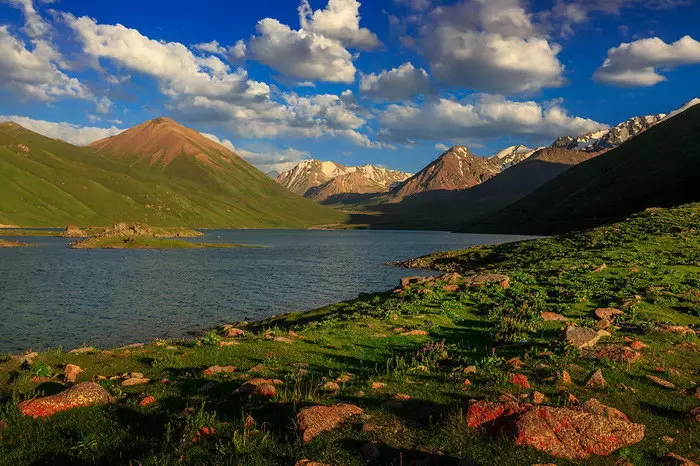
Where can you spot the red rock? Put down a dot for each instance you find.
(574, 434)
(133, 381)
(519, 380)
(148, 401)
(306, 462)
(452, 278)
(572, 399)
(600, 269)
(227, 343)
(378, 385)
(203, 432)
(42, 379)
(318, 419)
(515, 363)
(214, 370)
(596, 407)
(79, 396)
(552, 316)
(483, 412)
(408, 281)
(596, 380)
(470, 370)
(638, 345)
(233, 332)
(678, 329)
(564, 378)
(467, 382)
(411, 333)
(260, 387)
(604, 324)
(695, 412)
(451, 288)
(71, 372)
(607, 313)
(344, 378)
(402, 397)
(616, 353)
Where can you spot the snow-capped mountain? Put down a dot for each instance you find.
(456, 168)
(609, 138)
(512, 155)
(309, 175)
(686, 106)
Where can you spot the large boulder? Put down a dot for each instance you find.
(318, 419)
(616, 353)
(484, 412)
(81, 395)
(574, 434)
(264, 388)
(73, 231)
(488, 279)
(583, 337)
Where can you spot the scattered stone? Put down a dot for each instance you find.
(677, 329)
(135, 381)
(378, 385)
(72, 231)
(451, 278)
(661, 382)
(574, 434)
(672, 459)
(668, 440)
(596, 380)
(519, 380)
(616, 353)
(286, 340)
(71, 372)
(411, 333)
(214, 370)
(318, 419)
(344, 378)
(294, 334)
(451, 288)
(402, 397)
(408, 281)
(79, 396)
(224, 344)
(260, 387)
(233, 332)
(564, 378)
(515, 363)
(470, 370)
(507, 398)
(638, 345)
(257, 369)
(148, 401)
(695, 412)
(488, 279)
(467, 382)
(84, 350)
(603, 324)
(552, 316)
(583, 337)
(306, 462)
(694, 392)
(424, 291)
(600, 269)
(607, 313)
(538, 398)
(330, 387)
(572, 399)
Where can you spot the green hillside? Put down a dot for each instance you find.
(46, 182)
(659, 168)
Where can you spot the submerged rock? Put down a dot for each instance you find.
(79, 396)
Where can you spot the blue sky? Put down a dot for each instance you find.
(389, 82)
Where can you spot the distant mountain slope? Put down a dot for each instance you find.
(322, 180)
(512, 155)
(610, 138)
(173, 176)
(448, 210)
(658, 168)
(456, 168)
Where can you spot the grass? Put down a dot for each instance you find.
(50, 183)
(654, 256)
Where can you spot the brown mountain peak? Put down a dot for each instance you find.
(163, 140)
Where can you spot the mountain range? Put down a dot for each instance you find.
(158, 172)
(330, 181)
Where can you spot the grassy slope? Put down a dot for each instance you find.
(660, 167)
(657, 249)
(56, 183)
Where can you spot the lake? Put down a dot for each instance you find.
(54, 296)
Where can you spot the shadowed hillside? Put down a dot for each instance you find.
(658, 168)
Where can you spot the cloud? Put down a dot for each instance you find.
(415, 5)
(400, 83)
(34, 25)
(267, 157)
(636, 63)
(178, 71)
(490, 46)
(301, 54)
(340, 20)
(34, 73)
(481, 118)
(211, 47)
(74, 134)
(442, 147)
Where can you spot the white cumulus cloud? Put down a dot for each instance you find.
(340, 20)
(482, 118)
(636, 63)
(400, 83)
(267, 158)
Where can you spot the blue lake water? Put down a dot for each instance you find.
(51, 295)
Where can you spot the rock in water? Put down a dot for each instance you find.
(573, 434)
(79, 396)
(318, 419)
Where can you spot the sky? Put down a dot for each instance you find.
(388, 82)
